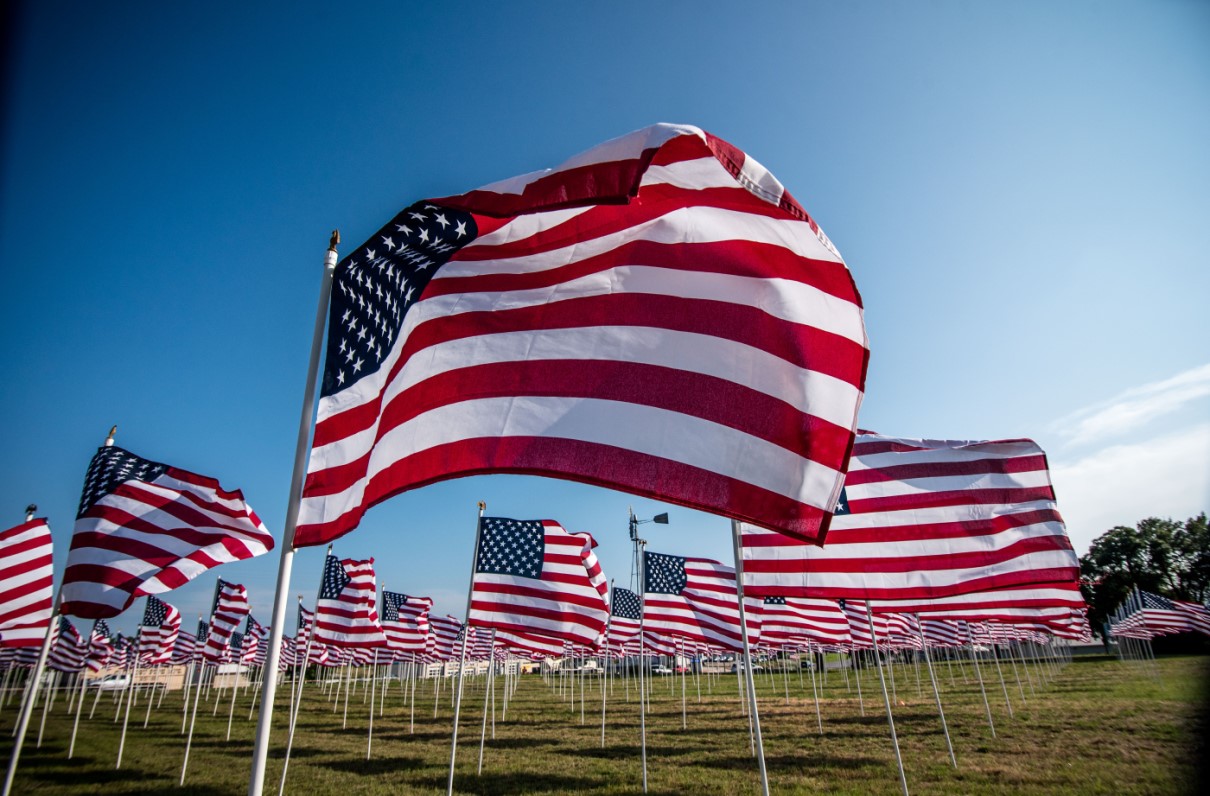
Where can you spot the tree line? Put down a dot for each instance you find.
(1161, 556)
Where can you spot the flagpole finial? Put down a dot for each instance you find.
(30, 511)
(482, 505)
(334, 241)
(109, 439)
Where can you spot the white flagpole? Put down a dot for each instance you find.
(640, 547)
(264, 725)
(466, 632)
(979, 674)
(75, 727)
(887, 698)
(936, 692)
(130, 686)
(297, 700)
(197, 697)
(743, 631)
(487, 692)
(373, 683)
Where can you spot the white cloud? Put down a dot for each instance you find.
(1135, 407)
(1167, 476)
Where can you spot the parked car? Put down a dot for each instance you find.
(110, 682)
(660, 670)
(739, 667)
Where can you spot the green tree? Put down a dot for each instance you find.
(1160, 556)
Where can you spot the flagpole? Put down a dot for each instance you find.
(138, 640)
(487, 691)
(640, 552)
(264, 725)
(743, 631)
(887, 698)
(31, 694)
(466, 632)
(924, 644)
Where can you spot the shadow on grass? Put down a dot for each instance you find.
(516, 783)
(795, 763)
(380, 765)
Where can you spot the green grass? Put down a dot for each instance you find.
(1096, 726)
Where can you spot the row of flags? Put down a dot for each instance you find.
(1145, 615)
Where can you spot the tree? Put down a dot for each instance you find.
(1160, 556)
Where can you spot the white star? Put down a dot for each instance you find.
(390, 244)
(440, 219)
(424, 235)
(417, 216)
(460, 228)
(370, 255)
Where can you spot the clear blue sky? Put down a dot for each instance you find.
(1020, 189)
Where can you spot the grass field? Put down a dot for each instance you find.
(1095, 726)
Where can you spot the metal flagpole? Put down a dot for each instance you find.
(936, 692)
(297, 704)
(31, 694)
(466, 625)
(260, 750)
(979, 674)
(197, 697)
(373, 682)
(640, 553)
(75, 727)
(487, 692)
(605, 660)
(886, 698)
(130, 686)
(743, 631)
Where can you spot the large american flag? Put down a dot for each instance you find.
(696, 599)
(345, 614)
(158, 632)
(533, 576)
(26, 583)
(145, 528)
(657, 315)
(922, 519)
(230, 607)
(405, 620)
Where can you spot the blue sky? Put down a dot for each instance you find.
(1020, 190)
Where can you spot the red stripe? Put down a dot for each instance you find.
(962, 497)
(947, 469)
(958, 529)
(601, 465)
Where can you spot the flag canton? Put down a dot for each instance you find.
(155, 613)
(376, 284)
(391, 602)
(1156, 602)
(219, 589)
(775, 601)
(203, 631)
(237, 640)
(253, 627)
(511, 547)
(335, 579)
(67, 628)
(101, 628)
(113, 466)
(626, 604)
(664, 574)
(842, 504)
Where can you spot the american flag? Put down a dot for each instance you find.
(626, 618)
(942, 632)
(26, 582)
(254, 648)
(405, 620)
(69, 649)
(533, 576)
(922, 519)
(345, 614)
(1160, 615)
(801, 619)
(145, 528)
(444, 631)
(859, 624)
(695, 598)
(1197, 614)
(1043, 602)
(230, 607)
(100, 648)
(158, 632)
(185, 649)
(657, 315)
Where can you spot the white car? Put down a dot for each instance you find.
(660, 670)
(110, 682)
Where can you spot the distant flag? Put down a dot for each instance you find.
(161, 626)
(185, 649)
(100, 648)
(657, 315)
(443, 632)
(1197, 614)
(1160, 615)
(26, 583)
(532, 576)
(230, 607)
(696, 599)
(69, 649)
(145, 528)
(253, 650)
(345, 614)
(405, 620)
(925, 519)
(627, 614)
(859, 624)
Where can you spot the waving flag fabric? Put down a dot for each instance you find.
(533, 576)
(1197, 614)
(100, 648)
(230, 607)
(68, 650)
(924, 519)
(1042, 602)
(345, 614)
(405, 620)
(26, 582)
(859, 624)
(145, 528)
(800, 620)
(657, 315)
(185, 649)
(158, 631)
(444, 631)
(696, 599)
